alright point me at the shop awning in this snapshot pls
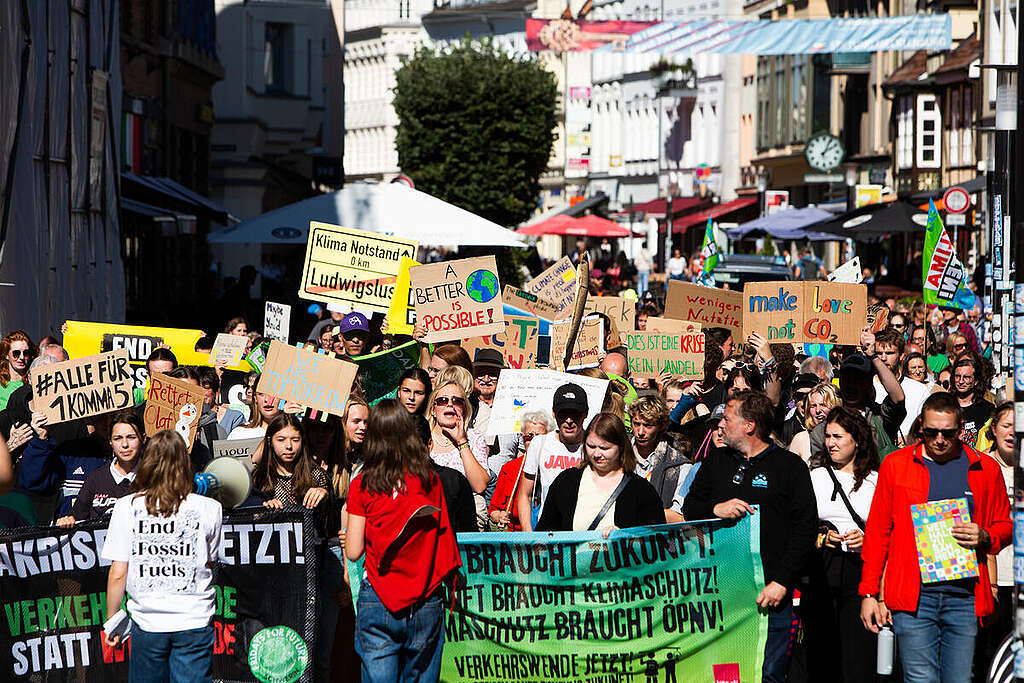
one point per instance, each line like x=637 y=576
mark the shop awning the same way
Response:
x=875 y=221
x=179 y=193
x=971 y=186
x=738 y=36
x=656 y=208
x=147 y=210
x=701 y=217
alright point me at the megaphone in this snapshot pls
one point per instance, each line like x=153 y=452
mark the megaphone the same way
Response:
x=226 y=479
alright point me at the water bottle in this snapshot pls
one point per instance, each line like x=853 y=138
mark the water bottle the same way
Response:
x=886 y=643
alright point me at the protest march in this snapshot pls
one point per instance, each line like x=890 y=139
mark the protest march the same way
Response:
x=433 y=475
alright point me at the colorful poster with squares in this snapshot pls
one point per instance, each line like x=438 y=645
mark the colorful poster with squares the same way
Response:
x=939 y=556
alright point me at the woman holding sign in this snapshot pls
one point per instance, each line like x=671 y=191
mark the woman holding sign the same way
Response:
x=106 y=485
x=604 y=492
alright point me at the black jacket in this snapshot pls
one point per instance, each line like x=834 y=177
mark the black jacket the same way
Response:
x=458 y=497
x=779 y=482
x=637 y=505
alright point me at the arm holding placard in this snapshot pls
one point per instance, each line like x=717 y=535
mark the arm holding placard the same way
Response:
x=766 y=366
x=889 y=382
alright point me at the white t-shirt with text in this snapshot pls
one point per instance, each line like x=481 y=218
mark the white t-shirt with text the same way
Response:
x=549 y=457
x=170 y=580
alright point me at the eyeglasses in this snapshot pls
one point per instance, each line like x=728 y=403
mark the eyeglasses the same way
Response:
x=737 y=478
x=454 y=401
x=933 y=432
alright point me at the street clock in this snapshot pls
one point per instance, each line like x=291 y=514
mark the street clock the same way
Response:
x=824 y=152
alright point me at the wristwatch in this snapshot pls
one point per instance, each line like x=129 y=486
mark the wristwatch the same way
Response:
x=873 y=596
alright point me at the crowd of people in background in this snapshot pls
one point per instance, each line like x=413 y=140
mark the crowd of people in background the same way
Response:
x=831 y=449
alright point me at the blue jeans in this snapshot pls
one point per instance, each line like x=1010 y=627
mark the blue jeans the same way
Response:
x=399 y=647
x=777 y=646
x=643 y=280
x=178 y=656
x=936 y=643
x=332 y=572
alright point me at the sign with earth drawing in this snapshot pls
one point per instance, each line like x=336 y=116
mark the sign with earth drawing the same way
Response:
x=458 y=299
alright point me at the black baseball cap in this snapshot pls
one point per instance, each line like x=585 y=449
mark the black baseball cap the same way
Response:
x=857 y=362
x=805 y=380
x=570 y=398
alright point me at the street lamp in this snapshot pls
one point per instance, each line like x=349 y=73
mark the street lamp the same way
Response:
x=851 y=183
x=762 y=187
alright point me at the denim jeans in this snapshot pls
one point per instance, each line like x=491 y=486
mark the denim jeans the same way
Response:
x=936 y=643
x=332 y=571
x=399 y=647
x=777 y=646
x=643 y=280
x=177 y=657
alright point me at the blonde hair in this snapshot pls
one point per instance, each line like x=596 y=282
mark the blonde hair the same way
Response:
x=164 y=475
x=457 y=374
x=467 y=413
x=649 y=409
x=829 y=394
x=339 y=473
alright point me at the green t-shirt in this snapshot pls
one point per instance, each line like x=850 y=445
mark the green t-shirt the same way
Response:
x=5 y=392
x=937 y=363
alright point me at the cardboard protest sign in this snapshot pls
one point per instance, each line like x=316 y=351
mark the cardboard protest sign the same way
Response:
x=402 y=313
x=589 y=344
x=240 y=449
x=352 y=267
x=672 y=326
x=681 y=354
x=228 y=348
x=458 y=299
x=315 y=380
x=381 y=371
x=529 y=303
x=557 y=284
x=709 y=306
x=877 y=317
x=522 y=391
x=88 y=339
x=276 y=321
x=83 y=387
x=620 y=311
x=173 y=404
x=848 y=272
x=518 y=343
x=807 y=312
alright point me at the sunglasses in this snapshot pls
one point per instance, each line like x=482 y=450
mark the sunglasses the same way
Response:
x=18 y=353
x=737 y=478
x=454 y=401
x=957 y=347
x=932 y=432
x=945 y=384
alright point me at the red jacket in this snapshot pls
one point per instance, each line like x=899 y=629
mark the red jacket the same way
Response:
x=889 y=545
x=506 y=488
x=410 y=544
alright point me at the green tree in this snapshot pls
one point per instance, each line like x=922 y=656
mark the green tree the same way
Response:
x=475 y=129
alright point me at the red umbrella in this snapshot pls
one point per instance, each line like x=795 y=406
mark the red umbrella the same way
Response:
x=588 y=226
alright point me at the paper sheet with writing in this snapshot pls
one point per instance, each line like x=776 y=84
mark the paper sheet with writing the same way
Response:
x=523 y=391
x=228 y=348
x=939 y=556
x=557 y=284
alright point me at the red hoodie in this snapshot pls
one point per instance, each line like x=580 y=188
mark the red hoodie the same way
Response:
x=410 y=544
x=889 y=544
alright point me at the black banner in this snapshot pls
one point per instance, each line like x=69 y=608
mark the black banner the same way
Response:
x=53 y=591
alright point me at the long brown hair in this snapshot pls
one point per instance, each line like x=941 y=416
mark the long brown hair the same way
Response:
x=610 y=428
x=5 y=349
x=393 y=449
x=266 y=474
x=164 y=475
x=865 y=457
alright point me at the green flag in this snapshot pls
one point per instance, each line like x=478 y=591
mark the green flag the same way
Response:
x=944 y=276
x=708 y=256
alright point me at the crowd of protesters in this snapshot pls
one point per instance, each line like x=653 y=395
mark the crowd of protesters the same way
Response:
x=832 y=451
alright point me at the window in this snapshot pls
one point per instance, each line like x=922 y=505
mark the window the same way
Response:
x=953 y=117
x=905 y=132
x=967 y=130
x=275 y=49
x=929 y=126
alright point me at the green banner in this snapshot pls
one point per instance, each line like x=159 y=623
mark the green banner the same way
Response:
x=380 y=371
x=666 y=604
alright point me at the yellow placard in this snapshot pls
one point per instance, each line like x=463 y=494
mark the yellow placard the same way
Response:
x=83 y=339
x=352 y=267
x=401 y=312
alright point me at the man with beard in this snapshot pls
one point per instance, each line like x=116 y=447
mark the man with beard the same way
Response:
x=753 y=471
x=969 y=394
x=487 y=367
